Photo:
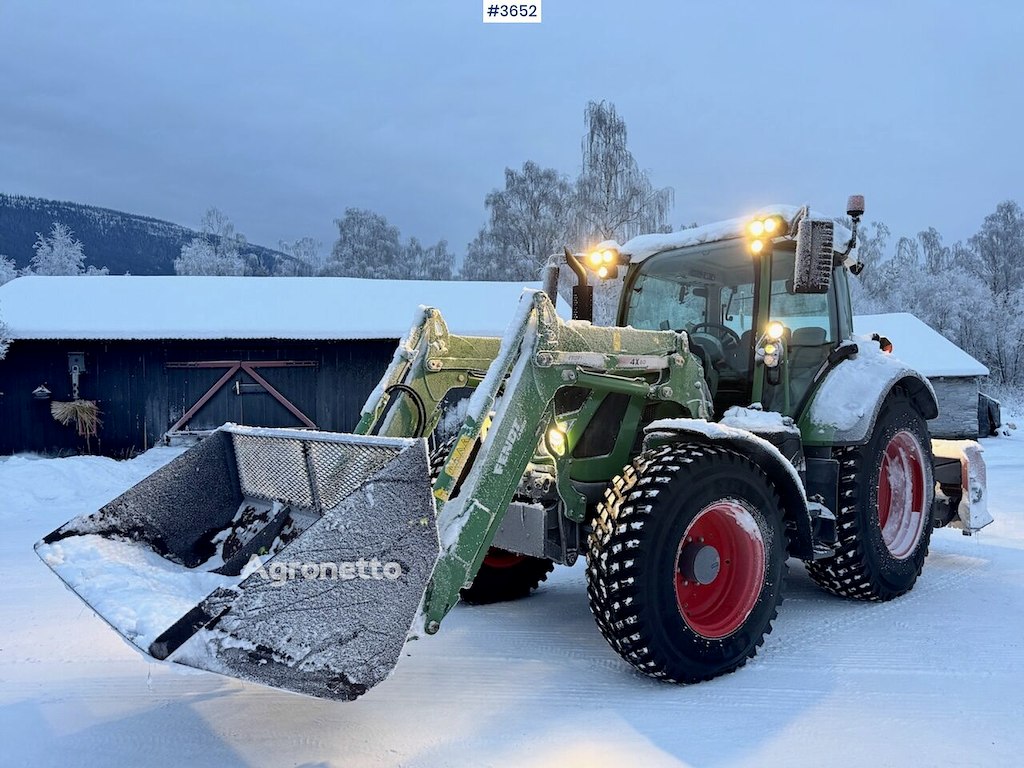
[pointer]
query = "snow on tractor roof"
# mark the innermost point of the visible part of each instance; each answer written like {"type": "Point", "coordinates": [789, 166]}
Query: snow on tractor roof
{"type": "Point", "coordinates": [294, 308]}
{"type": "Point", "coordinates": [645, 246]}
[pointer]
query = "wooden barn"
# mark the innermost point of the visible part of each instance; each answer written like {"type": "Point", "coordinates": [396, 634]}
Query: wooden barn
{"type": "Point", "coordinates": [173, 356]}
{"type": "Point", "coordinates": [178, 355]}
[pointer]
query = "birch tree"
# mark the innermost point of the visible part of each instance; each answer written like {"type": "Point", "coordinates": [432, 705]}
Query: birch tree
{"type": "Point", "coordinates": [615, 199]}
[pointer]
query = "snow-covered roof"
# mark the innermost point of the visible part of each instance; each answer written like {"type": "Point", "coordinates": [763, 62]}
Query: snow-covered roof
{"type": "Point", "coordinates": [246, 307]}
{"type": "Point", "coordinates": [645, 246]}
{"type": "Point", "coordinates": [919, 345]}
{"type": "Point", "coordinates": [298, 308]}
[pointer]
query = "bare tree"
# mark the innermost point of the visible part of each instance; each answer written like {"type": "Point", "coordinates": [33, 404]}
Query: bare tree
{"type": "Point", "coordinates": [306, 258]}
{"type": "Point", "coordinates": [614, 197]}
{"type": "Point", "coordinates": [8, 269]}
{"type": "Point", "coordinates": [218, 251]}
{"type": "Point", "coordinates": [529, 219]}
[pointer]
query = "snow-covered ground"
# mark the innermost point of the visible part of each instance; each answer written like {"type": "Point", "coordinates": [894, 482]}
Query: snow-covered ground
{"type": "Point", "coordinates": [934, 678]}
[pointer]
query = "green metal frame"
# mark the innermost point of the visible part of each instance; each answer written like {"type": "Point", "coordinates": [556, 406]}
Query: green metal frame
{"type": "Point", "coordinates": [539, 355]}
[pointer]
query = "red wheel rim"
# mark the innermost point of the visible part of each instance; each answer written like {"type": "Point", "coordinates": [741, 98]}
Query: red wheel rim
{"type": "Point", "coordinates": [499, 558]}
{"type": "Point", "coordinates": [716, 602]}
{"type": "Point", "coordinates": [901, 513]}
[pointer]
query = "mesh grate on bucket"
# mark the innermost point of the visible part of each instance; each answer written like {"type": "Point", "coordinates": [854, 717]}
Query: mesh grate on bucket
{"type": "Point", "coordinates": [272, 468]}
{"type": "Point", "coordinates": [340, 468]}
{"type": "Point", "coordinates": [278, 468]}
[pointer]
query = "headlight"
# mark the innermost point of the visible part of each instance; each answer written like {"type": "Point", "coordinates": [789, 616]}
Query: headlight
{"type": "Point", "coordinates": [756, 246]}
{"type": "Point", "coordinates": [556, 441]}
{"type": "Point", "coordinates": [775, 330]}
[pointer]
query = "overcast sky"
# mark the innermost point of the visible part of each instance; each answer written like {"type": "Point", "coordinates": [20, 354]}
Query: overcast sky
{"type": "Point", "coordinates": [282, 114]}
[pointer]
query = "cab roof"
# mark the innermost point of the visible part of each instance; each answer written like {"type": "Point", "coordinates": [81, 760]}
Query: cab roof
{"type": "Point", "coordinates": [644, 246]}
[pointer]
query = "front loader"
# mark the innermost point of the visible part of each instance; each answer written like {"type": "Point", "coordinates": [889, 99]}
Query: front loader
{"type": "Point", "coordinates": [726, 421]}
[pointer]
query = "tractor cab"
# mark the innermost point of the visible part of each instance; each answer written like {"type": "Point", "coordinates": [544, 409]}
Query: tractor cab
{"type": "Point", "coordinates": [759, 333]}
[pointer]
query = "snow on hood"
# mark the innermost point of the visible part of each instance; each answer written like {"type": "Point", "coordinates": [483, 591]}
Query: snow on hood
{"type": "Point", "coordinates": [645, 246]}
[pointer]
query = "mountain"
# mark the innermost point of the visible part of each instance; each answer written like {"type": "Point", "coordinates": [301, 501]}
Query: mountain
{"type": "Point", "coordinates": [122, 242]}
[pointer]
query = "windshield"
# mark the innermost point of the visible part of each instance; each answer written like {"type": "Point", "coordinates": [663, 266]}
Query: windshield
{"type": "Point", "coordinates": [683, 289]}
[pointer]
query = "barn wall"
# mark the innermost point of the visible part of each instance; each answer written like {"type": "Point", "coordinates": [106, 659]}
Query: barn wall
{"type": "Point", "coordinates": [958, 407]}
{"type": "Point", "coordinates": [140, 397]}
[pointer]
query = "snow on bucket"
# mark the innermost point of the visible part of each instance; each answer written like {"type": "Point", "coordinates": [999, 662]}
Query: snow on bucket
{"type": "Point", "coordinates": [288, 558]}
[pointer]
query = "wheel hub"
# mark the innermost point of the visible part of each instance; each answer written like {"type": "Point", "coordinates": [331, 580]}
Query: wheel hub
{"type": "Point", "coordinates": [720, 568]}
{"type": "Point", "coordinates": [699, 563]}
{"type": "Point", "coordinates": [901, 495]}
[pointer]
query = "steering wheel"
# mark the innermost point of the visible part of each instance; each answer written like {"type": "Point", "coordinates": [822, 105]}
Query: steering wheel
{"type": "Point", "coordinates": [728, 337]}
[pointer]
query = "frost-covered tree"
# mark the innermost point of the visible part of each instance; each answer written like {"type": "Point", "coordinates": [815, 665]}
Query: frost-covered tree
{"type": "Point", "coordinates": [58, 253]}
{"type": "Point", "coordinates": [5, 340]}
{"type": "Point", "coordinates": [488, 258]}
{"type": "Point", "coordinates": [218, 251]}
{"type": "Point", "coordinates": [8, 269]}
{"type": "Point", "coordinates": [999, 249]}
{"type": "Point", "coordinates": [367, 246]}
{"type": "Point", "coordinates": [529, 219]}
{"type": "Point", "coordinates": [306, 258]}
{"type": "Point", "coordinates": [438, 262]}
{"type": "Point", "coordinates": [614, 197]}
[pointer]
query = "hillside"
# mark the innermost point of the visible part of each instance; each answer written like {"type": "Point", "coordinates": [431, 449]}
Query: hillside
{"type": "Point", "coordinates": [122, 242]}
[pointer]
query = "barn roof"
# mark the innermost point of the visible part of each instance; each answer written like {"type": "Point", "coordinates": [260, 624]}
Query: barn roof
{"type": "Point", "coordinates": [292, 308]}
{"type": "Point", "coordinates": [322, 308]}
{"type": "Point", "coordinates": [919, 345]}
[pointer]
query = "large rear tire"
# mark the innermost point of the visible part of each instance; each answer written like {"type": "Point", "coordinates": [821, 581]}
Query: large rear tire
{"type": "Point", "coordinates": [686, 562]}
{"type": "Point", "coordinates": [886, 489]}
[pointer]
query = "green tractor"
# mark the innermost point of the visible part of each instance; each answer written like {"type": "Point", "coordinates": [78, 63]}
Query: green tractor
{"type": "Point", "coordinates": [726, 420]}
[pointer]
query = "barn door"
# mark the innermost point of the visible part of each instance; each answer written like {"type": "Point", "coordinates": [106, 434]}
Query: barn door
{"type": "Point", "coordinates": [260, 393]}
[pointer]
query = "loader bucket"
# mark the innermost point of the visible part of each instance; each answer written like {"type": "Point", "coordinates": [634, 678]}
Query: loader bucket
{"type": "Point", "coordinates": [294, 559]}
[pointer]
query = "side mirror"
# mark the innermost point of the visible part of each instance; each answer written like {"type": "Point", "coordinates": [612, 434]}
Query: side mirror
{"type": "Point", "coordinates": [812, 272]}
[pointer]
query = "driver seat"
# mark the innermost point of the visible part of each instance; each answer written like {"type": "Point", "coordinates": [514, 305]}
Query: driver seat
{"type": "Point", "coordinates": [710, 372]}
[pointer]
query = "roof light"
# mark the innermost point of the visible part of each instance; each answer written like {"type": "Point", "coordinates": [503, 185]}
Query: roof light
{"type": "Point", "coordinates": [756, 227]}
{"type": "Point", "coordinates": [772, 225]}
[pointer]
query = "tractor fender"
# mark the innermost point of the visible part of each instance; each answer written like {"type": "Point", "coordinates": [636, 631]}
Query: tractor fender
{"type": "Point", "coordinates": [780, 471]}
{"type": "Point", "coordinates": [844, 408]}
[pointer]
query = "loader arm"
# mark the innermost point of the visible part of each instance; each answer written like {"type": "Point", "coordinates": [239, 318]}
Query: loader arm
{"type": "Point", "coordinates": [539, 354]}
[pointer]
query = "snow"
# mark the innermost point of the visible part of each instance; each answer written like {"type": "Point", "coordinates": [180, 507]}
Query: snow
{"type": "Point", "coordinates": [139, 592]}
{"type": "Point", "coordinates": [755, 419]}
{"type": "Point", "coordinates": [846, 401]}
{"type": "Point", "coordinates": [645, 246]}
{"type": "Point", "coordinates": [919, 345]}
{"type": "Point", "coordinates": [723, 431]}
{"type": "Point", "coordinates": [246, 307]}
{"type": "Point", "coordinates": [932, 678]}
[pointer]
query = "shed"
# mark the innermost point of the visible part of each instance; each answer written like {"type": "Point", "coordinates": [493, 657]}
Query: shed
{"type": "Point", "coordinates": [954, 374]}
{"type": "Point", "coordinates": [186, 354]}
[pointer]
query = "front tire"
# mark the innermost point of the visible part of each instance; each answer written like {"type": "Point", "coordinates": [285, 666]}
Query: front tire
{"type": "Point", "coordinates": [686, 562]}
{"type": "Point", "coordinates": [506, 576]}
{"type": "Point", "coordinates": [503, 575]}
{"type": "Point", "coordinates": [886, 489]}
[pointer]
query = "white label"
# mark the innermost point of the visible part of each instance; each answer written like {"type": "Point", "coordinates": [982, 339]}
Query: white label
{"type": "Point", "coordinates": [512, 13]}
